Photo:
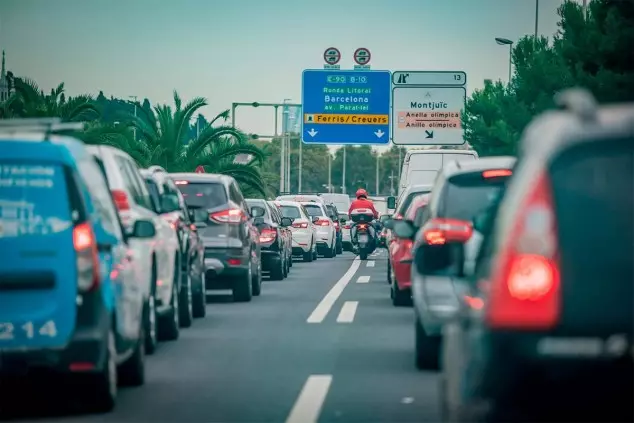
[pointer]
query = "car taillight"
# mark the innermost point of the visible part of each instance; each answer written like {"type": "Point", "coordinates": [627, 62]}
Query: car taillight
{"type": "Point", "coordinates": [302, 225]}
{"type": "Point", "coordinates": [496, 173]}
{"type": "Point", "coordinates": [267, 235]}
{"type": "Point", "coordinates": [441, 231]}
{"type": "Point", "coordinates": [525, 283]}
{"type": "Point", "coordinates": [120, 199]}
{"type": "Point", "coordinates": [323, 222]}
{"type": "Point", "coordinates": [336, 225]}
{"type": "Point", "coordinates": [181, 182]}
{"type": "Point", "coordinates": [347, 226]}
{"type": "Point", "coordinates": [228, 216]}
{"type": "Point", "coordinates": [87, 258]}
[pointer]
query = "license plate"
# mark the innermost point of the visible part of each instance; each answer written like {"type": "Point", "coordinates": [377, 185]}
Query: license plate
{"type": "Point", "coordinates": [363, 238]}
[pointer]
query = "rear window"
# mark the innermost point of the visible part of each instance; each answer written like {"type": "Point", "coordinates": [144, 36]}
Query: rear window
{"type": "Point", "coordinates": [257, 208]}
{"type": "Point", "coordinates": [313, 210]}
{"type": "Point", "coordinates": [33, 200]}
{"type": "Point", "coordinates": [154, 192]}
{"type": "Point", "coordinates": [468, 195]}
{"type": "Point", "coordinates": [344, 216]}
{"type": "Point", "coordinates": [290, 211]}
{"type": "Point", "coordinates": [407, 201]}
{"type": "Point", "coordinates": [205, 195]}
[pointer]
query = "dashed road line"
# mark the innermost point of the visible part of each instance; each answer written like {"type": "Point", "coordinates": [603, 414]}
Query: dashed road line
{"type": "Point", "coordinates": [311, 399]}
{"type": "Point", "coordinates": [321, 311]}
{"type": "Point", "coordinates": [370, 263]}
{"type": "Point", "coordinates": [363, 279]}
{"type": "Point", "coordinates": [349, 309]}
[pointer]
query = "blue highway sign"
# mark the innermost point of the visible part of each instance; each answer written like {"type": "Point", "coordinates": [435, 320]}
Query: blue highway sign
{"type": "Point", "coordinates": [346, 107]}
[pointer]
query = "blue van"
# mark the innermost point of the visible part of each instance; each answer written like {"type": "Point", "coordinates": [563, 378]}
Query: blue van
{"type": "Point", "coordinates": [69, 301]}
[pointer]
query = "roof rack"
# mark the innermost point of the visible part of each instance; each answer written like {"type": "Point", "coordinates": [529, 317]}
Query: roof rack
{"type": "Point", "coordinates": [578, 101]}
{"type": "Point", "coordinates": [38, 125]}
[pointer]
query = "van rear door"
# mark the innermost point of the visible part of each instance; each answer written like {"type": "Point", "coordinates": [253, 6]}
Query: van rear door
{"type": "Point", "coordinates": [38, 270]}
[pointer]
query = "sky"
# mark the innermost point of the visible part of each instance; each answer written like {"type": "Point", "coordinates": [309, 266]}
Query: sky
{"type": "Point", "coordinates": [252, 50]}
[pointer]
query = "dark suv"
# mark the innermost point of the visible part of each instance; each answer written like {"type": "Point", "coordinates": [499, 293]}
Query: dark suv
{"type": "Point", "coordinates": [273, 240]}
{"type": "Point", "coordinates": [225, 225]}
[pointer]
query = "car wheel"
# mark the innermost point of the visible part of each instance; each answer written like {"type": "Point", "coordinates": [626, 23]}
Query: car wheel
{"type": "Point", "coordinates": [186, 302]}
{"type": "Point", "coordinates": [169, 328]}
{"type": "Point", "coordinates": [290, 259]}
{"type": "Point", "coordinates": [389, 272]}
{"type": "Point", "coordinates": [243, 288]}
{"type": "Point", "coordinates": [257, 281]}
{"type": "Point", "coordinates": [103, 395]}
{"type": "Point", "coordinates": [132, 372]}
{"type": "Point", "coordinates": [308, 256]}
{"type": "Point", "coordinates": [277, 272]}
{"type": "Point", "coordinates": [330, 252]}
{"type": "Point", "coordinates": [400, 298]}
{"type": "Point", "coordinates": [200, 298]}
{"type": "Point", "coordinates": [427, 349]}
{"type": "Point", "coordinates": [151, 335]}
{"type": "Point", "coordinates": [339, 247]}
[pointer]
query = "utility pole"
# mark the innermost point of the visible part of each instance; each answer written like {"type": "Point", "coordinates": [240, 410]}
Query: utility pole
{"type": "Point", "coordinates": [377, 173]}
{"type": "Point", "coordinates": [400, 164]}
{"type": "Point", "coordinates": [329, 172]}
{"type": "Point", "coordinates": [134, 127]}
{"type": "Point", "coordinates": [343, 176]}
{"type": "Point", "coordinates": [392, 182]}
{"type": "Point", "coordinates": [536, 23]}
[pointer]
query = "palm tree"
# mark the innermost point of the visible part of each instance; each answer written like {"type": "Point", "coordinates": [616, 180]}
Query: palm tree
{"type": "Point", "coordinates": [32, 102]}
{"type": "Point", "coordinates": [163, 140]}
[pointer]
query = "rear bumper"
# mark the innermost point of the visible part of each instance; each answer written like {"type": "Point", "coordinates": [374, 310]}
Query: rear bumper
{"type": "Point", "coordinates": [220, 271]}
{"type": "Point", "coordinates": [270, 259]}
{"type": "Point", "coordinates": [85, 352]}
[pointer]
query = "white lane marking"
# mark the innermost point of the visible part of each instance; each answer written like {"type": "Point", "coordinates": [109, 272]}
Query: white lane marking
{"type": "Point", "coordinates": [321, 311]}
{"type": "Point", "coordinates": [308, 405]}
{"type": "Point", "coordinates": [363, 279]}
{"type": "Point", "coordinates": [370, 263]}
{"type": "Point", "coordinates": [346, 315]}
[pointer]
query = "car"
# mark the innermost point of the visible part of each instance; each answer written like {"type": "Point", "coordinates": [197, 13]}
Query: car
{"type": "Point", "coordinates": [157, 257]}
{"type": "Point", "coordinates": [70, 297]}
{"type": "Point", "coordinates": [461, 192]}
{"type": "Point", "coordinates": [402, 204]}
{"type": "Point", "coordinates": [225, 225]}
{"type": "Point", "coordinates": [334, 217]}
{"type": "Point", "coordinates": [303, 228]}
{"type": "Point", "coordinates": [400, 256]}
{"type": "Point", "coordinates": [346, 238]}
{"type": "Point", "coordinates": [169, 203]}
{"type": "Point", "coordinates": [422, 166]}
{"type": "Point", "coordinates": [340, 201]}
{"type": "Point", "coordinates": [325, 232]}
{"type": "Point", "coordinates": [274, 241]}
{"type": "Point", "coordinates": [286, 232]}
{"type": "Point", "coordinates": [547, 310]}
{"type": "Point", "coordinates": [301, 198]}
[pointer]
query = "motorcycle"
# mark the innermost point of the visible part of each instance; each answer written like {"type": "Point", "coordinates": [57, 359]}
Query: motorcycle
{"type": "Point", "coordinates": [364, 236]}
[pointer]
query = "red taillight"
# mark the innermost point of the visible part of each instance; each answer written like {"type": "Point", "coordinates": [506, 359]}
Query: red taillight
{"type": "Point", "coordinates": [442, 231]}
{"type": "Point", "coordinates": [302, 225]}
{"type": "Point", "coordinates": [525, 283]}
{"type": "Point", "coordinates": [228, 216]}
{"type": "Point", "coordinates": [323, 222]}
{"type": "Point", "coordinates": [87, 258]}
{"type": "Point", "coordinates": [181, 182]}
{"type": "Point", "coordinates": [267, 235]}
{"type": "Point", "coordinates": [347, 226]}
{"type": "Point", "coordinates": [120, 199]}
{"type": "Point", "coordinates": [234, 262]}
{"type": "Point", "coordinates": [496, 173]}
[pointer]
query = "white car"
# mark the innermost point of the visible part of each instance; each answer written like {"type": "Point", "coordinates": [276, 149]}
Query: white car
{"type": "Point", "coordinates": [157, 257]}
{"type": "Point", "coordinates": [346, 238]}
{"type": "Point", "coordinates": [304, 233]}
{"type": "Point", "coordinates": [325, 231]}
{"type": "Point", "coordinates": [300, 198]}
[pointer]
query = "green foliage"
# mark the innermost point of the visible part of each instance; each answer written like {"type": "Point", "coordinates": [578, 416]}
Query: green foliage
{"type": "Point", "coordinates": [594, 52]}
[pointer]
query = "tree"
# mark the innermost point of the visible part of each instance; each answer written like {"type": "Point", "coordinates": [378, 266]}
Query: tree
{"type": "Point", "coordinates": [163, 140]}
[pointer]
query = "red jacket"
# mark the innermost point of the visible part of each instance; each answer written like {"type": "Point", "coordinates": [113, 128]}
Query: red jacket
{"type": "Point", "coordinates": [363, 203]}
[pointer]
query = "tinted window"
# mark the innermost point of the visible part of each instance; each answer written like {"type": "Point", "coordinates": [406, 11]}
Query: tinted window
{"type": "Point", "coordinates": [290, 211]}
{"type": "Point", "coordinates": [343, 216]}
{"type": "Point", "coordinates": [94, 179]}
{"type": "Point", "coordinates": [331, 212]}
{"type": "Point", "coordinates": [206, 195]}
{"type": "Point", "coordinates": [33, 200]}
{"type": "Point", "coordinates": [313, 210]}
{"type": "Point", "coordinates": [466, 196]}
{"type": "Point", "coordinates": [407, 201]}
{"type": "Point", "coordinates": [155, 195]}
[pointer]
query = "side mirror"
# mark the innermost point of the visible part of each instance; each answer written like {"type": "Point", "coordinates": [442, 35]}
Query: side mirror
{"type": "Point", "coordinates": [389, 223]}
{"type": "Point", "coordinates": [143, 229]}
{"type": "Point", "coordinates": [258, 220]}
{"type": "Point", "coordinates": [314, 219]}
{"type": "Point", "coordinates": [286, 222]}
{"type": "Point", "coordinates": [391, 202]}
{"type": "Point", "coordinates": [169, 203]}
{"type": "Point", "coordinates": [404, 229]}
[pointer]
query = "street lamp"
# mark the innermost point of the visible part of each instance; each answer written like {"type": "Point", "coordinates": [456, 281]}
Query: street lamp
{"type": "Point", "coordinates": [504, 42]}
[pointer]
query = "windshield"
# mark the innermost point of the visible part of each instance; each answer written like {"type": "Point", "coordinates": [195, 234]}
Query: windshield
{"type": "Point", "coordinates": [464, 202]}
{"type": "Point", "coordinates": [204, 195]}
{"type": "Point", "coordinates": [313, 210]}
{"type": "Point", "coordinates": [290, 211]}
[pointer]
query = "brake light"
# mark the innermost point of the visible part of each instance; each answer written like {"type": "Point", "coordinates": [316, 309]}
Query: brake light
{"type": "Point", "coordinates": [442, 231]}
{"type": "Point", "coordinates": [87, 259]}
{"type": "Point", "coordinates": [302, 225]}
{"type": "Point", "coordinates": [347, 226]}
{"type": "Point", "coordinates": [228, 216]}
{"type": "Point", "coordinates": [267, 235]}
{"type": "Point", "coordinates": [496, 173]}
{"type": "Point", "coordinates": [323, 222]}
{"type": "Point", "coordinates": [120, 199]}
{"type": "Point", "coordinates": [525, 284]}
{"type": "Point", "coordinates": [181, 182]}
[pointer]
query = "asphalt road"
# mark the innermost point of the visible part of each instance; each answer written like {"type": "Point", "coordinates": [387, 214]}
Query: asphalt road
{"type": "Point", "coordinates": [323, 345]}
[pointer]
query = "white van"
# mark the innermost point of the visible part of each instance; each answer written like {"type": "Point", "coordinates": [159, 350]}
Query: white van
{"type": "Point", "coordinates": [421, 166]}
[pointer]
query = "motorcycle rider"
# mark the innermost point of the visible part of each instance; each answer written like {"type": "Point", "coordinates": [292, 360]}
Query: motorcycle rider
{"type": "Point", "coordinates": [362, 202]}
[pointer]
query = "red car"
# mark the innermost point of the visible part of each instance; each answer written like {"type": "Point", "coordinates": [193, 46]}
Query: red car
{"type": "Point", "coordinates": [400, 258]}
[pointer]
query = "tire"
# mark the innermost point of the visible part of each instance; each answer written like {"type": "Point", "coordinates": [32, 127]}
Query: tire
{"type": "Point", "coordinates": [331, 252]}
{"type": "Point", "coordinates": [257, 281]}
{"type": "Point", "coordinates": [169, 328]}
{"type": "Point", "coordinates": [132, 372]}
{"type": "Point", "coordinates": [427, 349]}
{"type": "Point", "coordinates": [284, 268]}
{"type": "Point", "coordinates": [103, 395]}
{"type": "Point", "coordinates": [363, 254]}
{"type": "Point", "coordinates": [243, 288]}
{"type": "Point", "coordinates": [185, 300]}
{"type": "Point", "coordinates": [400, 298]}
{"type": "Point", "coordinates": [150, 317]}
{"type": "Point", "coordinates": [277, 273]}
{"type": "Point", "coordinates": [290, 259]}
{"type": "Point", "coordinates": [308, 257]}
{"type": "Point", "coordinates": [315, 255]}
{"type": "Point", "coordinates": [199, 299]}
{"type": "Point", "coordinates": [339, 247]}
{"type": "Point", "coordinates": [389, 272]}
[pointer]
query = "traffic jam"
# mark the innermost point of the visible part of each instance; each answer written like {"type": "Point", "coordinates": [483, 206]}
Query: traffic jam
{"type": "Point", "coordinates": [517, 272]}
